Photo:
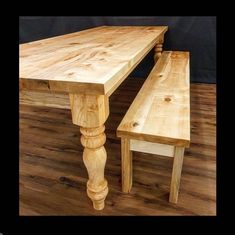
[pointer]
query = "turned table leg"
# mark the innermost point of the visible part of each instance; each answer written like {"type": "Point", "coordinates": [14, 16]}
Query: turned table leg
{"type": "Point", "coordinates": [90, 113]}
{"type": "Point", "coordinates": [158, 49]}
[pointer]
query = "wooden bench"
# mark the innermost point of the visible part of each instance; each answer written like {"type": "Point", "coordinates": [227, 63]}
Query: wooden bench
{"type": "Point", "coordinates": [158, 121]}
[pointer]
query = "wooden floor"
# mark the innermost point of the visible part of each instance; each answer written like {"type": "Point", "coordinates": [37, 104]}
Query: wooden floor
{"type": "Point", "coordinates": [53, 176]}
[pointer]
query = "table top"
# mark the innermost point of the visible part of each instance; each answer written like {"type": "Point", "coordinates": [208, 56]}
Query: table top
{"type": "Point", "coordinates": [93, 61]}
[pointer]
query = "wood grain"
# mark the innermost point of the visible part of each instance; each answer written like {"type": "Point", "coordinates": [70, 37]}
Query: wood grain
{"type": "Point", "coordinates": [53, 177]}
{"type": "Point", "coordinates": [45, 98]}
{"type": "Point", "coordinates": [90, 113]}
{"type": "Point", "coordinates": [176, 174]}
{"type": "Point", "coordinates": [153, 148]}
{"type": "Point", "coordinates": [126, 165]}
{"type": "Point", "coordinates": [161, 111]}
{"type": "Point", "coordinates": [93, 61]}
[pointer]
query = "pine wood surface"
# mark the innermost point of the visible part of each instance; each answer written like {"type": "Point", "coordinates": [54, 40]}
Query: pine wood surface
{"type": "Point", "coordinates": [93, 61]}
{"type": "Point", "coordinates": [160, 112]}
{"type": "Point", "coordinates": [53, 176]}
{"type": "Point", "coordinates": [89, 65]}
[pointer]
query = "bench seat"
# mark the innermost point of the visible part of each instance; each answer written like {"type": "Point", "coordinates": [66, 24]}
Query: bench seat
{"type": "Point", "coordinates": [158, 120]}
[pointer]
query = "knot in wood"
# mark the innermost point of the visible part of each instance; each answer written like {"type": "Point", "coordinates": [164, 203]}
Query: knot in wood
{"type": "Point", "coordinates": [135, 124]}
{"type": "Point", "coordinates": [167, 99]}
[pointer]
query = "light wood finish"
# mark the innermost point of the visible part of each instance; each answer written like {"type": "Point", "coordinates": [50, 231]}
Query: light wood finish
{"type": "Point", "coordinates": [126, 155]}
{"type": "Point", "coordinates": [45, 98]}
{"type": "Point", "coordinates": [157, 52]}
{"type": "Point", "coordinates": [53, 177]}
{"type": "Point", "coordinates": [89, 65]}
{"type": "Point", "coordinates": [93, 61]}
{"type": "Point", "coordinates": [153, 148]}
{"type": "Point", "coordinates": [161, 111]}
{"type": "Point", "coordinates": [90, 112]}
{"type": "Point", "coordinates": [176, 174]}
{"type": "Point", "coordinates": [158, 49]}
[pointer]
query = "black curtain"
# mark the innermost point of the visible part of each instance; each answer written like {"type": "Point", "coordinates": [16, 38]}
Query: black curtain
{"type": "Point", "coordinates": [194, 34]}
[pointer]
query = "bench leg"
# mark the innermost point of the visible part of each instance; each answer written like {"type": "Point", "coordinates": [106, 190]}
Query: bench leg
{"type": "Point", "coordinates": [90, 113]}
{"type": "Point", "coordinates": [126, 165]}
{"type": "Point", "coordinates": [176, 174]}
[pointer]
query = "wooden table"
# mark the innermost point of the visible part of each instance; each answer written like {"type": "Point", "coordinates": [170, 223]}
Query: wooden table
{"type": "Point", "coordinates": [89, 65]}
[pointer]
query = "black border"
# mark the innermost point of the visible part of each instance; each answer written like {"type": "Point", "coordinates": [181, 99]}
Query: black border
{"type": "Point", "coordinates": [10, 219]}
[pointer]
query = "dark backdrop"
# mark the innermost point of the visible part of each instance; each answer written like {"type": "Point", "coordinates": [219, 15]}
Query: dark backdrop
{"type": "Point", "coordinates": [194, 34]}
